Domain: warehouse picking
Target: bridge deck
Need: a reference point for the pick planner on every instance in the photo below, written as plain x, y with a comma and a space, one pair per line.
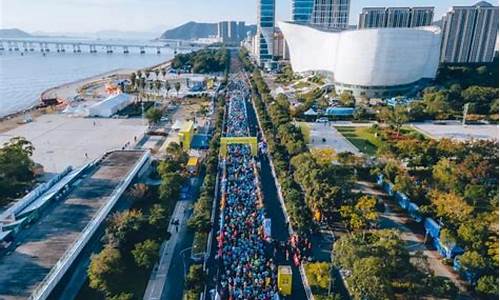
40, 246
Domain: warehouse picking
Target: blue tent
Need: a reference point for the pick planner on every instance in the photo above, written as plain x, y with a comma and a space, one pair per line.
432, 228
414, 212
340, 111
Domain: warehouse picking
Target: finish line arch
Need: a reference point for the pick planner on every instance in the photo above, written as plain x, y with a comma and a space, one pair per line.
225, 141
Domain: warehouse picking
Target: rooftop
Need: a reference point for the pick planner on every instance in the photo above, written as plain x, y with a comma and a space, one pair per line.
40, 246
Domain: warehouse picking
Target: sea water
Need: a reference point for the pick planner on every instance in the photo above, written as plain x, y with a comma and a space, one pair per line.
23, 77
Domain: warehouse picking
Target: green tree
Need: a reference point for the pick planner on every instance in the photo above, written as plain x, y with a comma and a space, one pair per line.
153, 115
158, 217
396, 117
123, 229
106, 270
362, 214
368, 282
473, 261
16, 167
146, 254
488, 286
318, 274
451, 206
347, 99
175, 152
195, 278
122, 296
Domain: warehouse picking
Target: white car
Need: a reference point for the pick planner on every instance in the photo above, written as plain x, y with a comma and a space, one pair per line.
322, 120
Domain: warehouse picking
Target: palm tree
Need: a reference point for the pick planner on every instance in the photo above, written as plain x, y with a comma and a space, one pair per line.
163, 72
168, 87
177, 88
133, 78
157, 72
158, 86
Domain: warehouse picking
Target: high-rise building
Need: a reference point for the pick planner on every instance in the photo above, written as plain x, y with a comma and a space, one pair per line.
331, 14
421, 16
242, 31
470, 33
233, 31
266, 11
302, 11
223, 31
398, 17
372, 17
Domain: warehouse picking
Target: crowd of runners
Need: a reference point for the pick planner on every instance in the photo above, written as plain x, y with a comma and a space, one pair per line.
246, 269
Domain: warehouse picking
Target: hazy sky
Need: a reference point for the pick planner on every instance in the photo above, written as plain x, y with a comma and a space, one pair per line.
146, 15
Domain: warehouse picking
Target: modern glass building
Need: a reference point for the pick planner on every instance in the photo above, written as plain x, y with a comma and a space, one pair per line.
331, 14
266, 12
302, 11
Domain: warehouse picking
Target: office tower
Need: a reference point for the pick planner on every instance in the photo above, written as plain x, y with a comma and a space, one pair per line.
377, 17
242, 31
302, 11
331, 14
223, 31
265, 30
421, 16
470, 33
372, 17
233, 31
398, 17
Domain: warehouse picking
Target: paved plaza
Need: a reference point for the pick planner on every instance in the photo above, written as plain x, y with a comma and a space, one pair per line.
332, 139
459, 132
61, 141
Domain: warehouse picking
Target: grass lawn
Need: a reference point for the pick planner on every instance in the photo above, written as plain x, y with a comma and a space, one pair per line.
362, 138
306, 131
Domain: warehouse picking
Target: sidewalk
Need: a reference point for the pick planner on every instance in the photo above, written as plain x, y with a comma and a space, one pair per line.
158, 278
414, 241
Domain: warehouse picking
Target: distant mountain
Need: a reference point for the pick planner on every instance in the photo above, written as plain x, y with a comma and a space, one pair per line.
14, 33
194, 30
190, 31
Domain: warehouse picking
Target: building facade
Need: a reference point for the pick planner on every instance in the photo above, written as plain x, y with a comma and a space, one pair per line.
233, 31
266, 12
302, 11
376, 63
372, 17
242, 31
421, 16
470, 34
331, 14
398, 17
223, 31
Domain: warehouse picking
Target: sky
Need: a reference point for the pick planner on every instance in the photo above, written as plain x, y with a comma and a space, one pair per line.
81, 16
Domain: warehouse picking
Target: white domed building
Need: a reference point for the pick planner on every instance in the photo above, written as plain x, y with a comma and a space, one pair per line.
375, 62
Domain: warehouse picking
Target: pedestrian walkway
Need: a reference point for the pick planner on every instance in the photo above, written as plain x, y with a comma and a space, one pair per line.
157, 281
414, 241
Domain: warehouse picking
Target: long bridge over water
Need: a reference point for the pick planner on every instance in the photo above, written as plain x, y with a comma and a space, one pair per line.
32, 45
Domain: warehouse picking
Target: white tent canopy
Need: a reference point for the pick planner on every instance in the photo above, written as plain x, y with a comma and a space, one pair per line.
110, 105
311, 112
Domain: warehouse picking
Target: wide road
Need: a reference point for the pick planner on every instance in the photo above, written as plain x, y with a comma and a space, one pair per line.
271, 204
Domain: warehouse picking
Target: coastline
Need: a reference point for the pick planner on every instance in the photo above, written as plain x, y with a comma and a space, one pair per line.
64, 91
